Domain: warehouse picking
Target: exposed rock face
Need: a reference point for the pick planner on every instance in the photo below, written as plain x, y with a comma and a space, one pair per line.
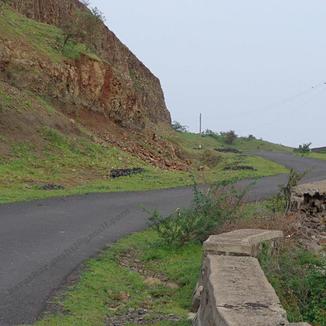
112, 94
119, 86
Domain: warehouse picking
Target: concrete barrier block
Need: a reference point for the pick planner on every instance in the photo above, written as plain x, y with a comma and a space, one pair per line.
246, 242
237, 293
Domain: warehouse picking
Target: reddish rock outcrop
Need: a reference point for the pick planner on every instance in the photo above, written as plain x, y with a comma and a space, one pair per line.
113, 94
119, 85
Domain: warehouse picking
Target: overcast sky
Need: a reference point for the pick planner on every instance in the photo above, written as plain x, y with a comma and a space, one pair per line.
247, 65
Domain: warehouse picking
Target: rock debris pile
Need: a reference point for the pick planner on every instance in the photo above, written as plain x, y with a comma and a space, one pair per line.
309, 200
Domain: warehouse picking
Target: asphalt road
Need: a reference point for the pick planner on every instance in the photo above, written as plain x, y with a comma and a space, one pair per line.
42, 242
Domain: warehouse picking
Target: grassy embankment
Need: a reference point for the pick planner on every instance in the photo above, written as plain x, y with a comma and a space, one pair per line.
36, 147
161, 285
319, 156
82, 166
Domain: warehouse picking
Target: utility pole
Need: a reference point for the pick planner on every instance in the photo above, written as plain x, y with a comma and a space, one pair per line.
200, 129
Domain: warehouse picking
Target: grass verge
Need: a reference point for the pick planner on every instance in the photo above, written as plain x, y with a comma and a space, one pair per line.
138, 277
298, 276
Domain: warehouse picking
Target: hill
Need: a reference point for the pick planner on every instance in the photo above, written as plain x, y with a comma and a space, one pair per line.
71, 112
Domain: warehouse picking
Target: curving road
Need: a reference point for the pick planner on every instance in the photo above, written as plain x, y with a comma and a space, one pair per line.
41, 242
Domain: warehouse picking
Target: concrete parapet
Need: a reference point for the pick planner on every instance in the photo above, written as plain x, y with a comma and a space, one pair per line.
245, 242
233, 290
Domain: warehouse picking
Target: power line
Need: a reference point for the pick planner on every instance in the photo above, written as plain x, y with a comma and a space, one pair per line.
289, 99
318, 91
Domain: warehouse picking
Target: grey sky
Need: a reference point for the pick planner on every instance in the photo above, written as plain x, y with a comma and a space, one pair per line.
235, 61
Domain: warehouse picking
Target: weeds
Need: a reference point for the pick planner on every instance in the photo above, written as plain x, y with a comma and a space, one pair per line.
207, 212
286, 191
299, 278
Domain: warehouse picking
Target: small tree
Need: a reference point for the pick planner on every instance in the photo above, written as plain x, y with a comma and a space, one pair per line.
85, 26
286, 191
303, 149
177, 126
251, 137
229, 137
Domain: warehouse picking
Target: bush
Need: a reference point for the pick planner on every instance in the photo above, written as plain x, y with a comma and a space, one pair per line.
303, 149
208, 211
211, 133
177, 126
229, 137
251, 137
211, 158
85, 26
299, 278
286, 191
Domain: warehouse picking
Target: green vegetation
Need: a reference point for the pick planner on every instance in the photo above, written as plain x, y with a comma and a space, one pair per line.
191, 142
85, 26
79, 164
162, 282
178, 127
44, 155
45, 39
303, 149
83, 167
229, 137
208, 211
298, 277
319, 156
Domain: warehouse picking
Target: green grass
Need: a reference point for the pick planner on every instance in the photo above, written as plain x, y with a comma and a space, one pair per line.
319, 156
190, 141
46, 40
83, 167
80, 165
246, 145
20, 178
298, 276
104, 280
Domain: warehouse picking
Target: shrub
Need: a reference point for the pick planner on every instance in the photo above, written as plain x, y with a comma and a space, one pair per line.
229, 137
282, 201
286, 191
210, 158
177, 126
211, 133
303, 149
85, 26
251, 137
208, 211
299, 278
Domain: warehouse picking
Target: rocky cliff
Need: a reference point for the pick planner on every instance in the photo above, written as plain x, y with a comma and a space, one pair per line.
118, 85
106, 89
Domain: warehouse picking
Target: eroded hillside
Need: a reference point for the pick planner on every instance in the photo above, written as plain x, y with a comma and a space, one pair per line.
70, 112
106, 90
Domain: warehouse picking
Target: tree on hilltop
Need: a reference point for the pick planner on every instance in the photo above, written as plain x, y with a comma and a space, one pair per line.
229, 137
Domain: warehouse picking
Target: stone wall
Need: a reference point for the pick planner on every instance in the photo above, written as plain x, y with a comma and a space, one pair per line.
233, 290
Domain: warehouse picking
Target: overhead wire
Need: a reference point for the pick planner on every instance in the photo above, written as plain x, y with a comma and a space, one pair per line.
288, 99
